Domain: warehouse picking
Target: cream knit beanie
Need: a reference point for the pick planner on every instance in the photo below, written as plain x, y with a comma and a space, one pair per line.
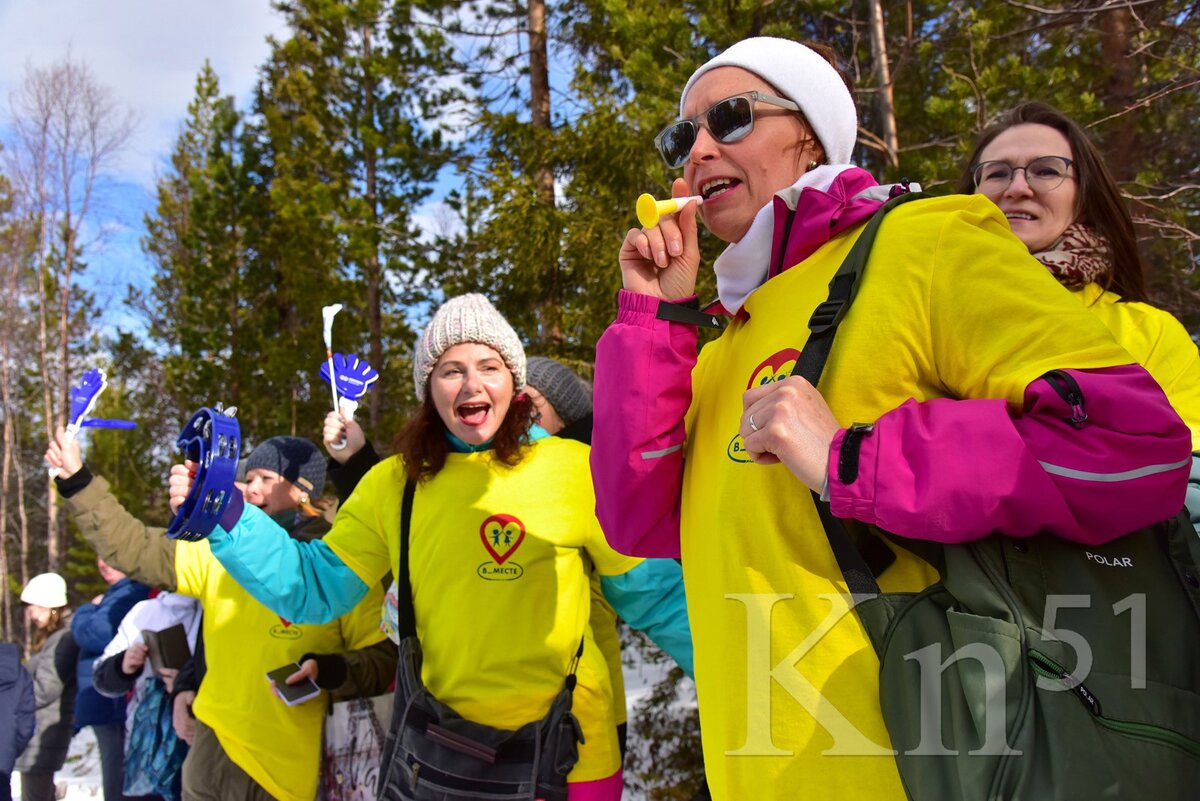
467, 318
802, 76
46, 589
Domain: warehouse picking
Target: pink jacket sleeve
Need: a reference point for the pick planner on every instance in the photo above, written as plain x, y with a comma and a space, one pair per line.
958, 470
642, 390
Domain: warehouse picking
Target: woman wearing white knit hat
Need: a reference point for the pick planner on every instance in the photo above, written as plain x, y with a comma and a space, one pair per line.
943, 362
501, 528
52, 665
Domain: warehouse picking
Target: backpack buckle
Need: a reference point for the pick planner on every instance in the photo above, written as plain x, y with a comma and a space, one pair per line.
826, 315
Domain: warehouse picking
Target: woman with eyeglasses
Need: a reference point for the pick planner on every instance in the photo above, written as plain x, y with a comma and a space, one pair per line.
1039, 166
934, 418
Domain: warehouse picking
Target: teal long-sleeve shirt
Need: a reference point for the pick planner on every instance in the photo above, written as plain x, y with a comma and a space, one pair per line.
308, 583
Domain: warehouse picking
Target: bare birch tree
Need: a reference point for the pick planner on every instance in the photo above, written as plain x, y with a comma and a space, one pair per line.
67, 130
9, 269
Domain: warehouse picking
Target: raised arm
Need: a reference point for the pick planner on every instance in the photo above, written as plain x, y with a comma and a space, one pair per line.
642, 388
642, 392
304, 582
307, 582
121, 540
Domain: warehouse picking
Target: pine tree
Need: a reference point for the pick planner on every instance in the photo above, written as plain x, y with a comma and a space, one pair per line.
206, 304
344, 103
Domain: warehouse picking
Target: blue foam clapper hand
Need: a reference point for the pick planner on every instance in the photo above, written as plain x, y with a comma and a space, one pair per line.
85, 394
353, 377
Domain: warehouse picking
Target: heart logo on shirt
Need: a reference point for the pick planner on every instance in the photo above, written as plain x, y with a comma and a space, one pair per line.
502, 535
775, 367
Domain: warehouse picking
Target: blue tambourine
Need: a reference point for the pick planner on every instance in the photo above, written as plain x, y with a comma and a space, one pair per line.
213, 440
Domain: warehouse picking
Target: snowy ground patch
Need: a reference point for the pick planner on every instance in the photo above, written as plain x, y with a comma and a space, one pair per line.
79, 780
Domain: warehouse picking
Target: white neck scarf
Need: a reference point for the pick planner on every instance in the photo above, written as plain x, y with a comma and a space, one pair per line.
743, 266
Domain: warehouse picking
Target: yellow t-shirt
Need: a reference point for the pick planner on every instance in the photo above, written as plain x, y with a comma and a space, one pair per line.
951, 305
500, 586
608, 639
1160, 343
279, 746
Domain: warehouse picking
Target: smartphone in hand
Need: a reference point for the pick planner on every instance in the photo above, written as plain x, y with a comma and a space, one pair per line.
292, 694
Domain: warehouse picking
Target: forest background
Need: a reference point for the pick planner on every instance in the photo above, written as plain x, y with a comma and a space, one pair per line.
533, 123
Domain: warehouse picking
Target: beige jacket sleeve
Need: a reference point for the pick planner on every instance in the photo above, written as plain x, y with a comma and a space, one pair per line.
142, 552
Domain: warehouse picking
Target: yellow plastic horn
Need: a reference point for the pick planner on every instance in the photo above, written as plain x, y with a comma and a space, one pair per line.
649, 210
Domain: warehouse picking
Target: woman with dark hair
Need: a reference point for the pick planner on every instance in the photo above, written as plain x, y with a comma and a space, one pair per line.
52, 666
502, 533
1043, 171
1071, 177
936, 417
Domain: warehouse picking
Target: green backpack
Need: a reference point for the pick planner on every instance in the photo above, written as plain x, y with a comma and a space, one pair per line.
1036, 668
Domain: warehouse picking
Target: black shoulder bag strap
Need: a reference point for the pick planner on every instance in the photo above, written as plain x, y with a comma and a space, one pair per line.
823, 326
406, 616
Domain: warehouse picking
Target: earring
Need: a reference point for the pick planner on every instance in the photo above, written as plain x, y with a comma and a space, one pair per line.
812, 165
303, 498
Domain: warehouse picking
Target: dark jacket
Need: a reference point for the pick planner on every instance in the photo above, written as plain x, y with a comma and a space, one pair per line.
17, 706
580, 430
110, 679
93, 627
53, 671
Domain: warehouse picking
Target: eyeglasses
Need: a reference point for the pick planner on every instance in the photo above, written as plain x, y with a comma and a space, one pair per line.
727, 120
1042, 174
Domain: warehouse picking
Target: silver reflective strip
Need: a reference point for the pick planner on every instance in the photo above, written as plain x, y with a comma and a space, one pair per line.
1128, 475
660, 454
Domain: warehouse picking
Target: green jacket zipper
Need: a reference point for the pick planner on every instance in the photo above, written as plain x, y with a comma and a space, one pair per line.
1047, 667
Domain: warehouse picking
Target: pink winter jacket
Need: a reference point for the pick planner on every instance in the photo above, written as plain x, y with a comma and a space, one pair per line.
1016, 473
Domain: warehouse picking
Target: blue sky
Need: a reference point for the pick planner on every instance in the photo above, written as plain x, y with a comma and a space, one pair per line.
148, 52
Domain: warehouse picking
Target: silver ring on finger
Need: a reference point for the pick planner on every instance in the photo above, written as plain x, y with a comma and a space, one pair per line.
753, 427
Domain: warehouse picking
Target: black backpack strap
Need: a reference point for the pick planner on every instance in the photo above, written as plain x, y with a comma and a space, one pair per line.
823, 325
843, 288
406, 617
860, 578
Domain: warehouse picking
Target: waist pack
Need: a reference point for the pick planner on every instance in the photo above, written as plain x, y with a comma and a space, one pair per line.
1037, 668
434, 754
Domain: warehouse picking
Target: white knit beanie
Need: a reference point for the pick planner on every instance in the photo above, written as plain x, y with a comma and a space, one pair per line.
467, 318
46, 589
802, 76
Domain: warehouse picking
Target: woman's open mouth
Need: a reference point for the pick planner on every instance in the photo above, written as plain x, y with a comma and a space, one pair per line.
715, 187
473, 414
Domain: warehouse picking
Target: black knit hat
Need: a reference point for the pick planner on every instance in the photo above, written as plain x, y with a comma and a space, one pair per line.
294, 458
565, 391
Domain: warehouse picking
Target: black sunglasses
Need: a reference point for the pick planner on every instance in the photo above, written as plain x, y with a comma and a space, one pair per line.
727, 120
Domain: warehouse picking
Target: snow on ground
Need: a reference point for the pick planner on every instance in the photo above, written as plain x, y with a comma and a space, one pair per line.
80, 777
640, 676
644, 667
79, 780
